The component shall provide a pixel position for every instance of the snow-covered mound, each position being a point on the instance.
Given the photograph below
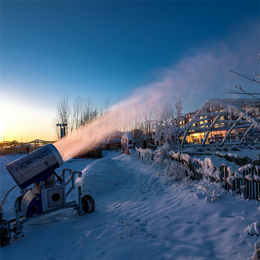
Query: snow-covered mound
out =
(137, 216)
(100, 177)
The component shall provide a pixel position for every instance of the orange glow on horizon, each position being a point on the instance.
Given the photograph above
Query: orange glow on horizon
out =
(25, 124)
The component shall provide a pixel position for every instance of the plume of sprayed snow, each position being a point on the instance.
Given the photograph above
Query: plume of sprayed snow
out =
(204, 74)
(122, 115)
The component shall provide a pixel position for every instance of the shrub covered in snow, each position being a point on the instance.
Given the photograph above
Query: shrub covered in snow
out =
(174, 171)
(254, 230)
(205, 189)
(161, 153)
(256, 255)
(166, 126)
(206, 166)
(146, 155)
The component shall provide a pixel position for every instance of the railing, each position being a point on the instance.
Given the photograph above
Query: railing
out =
(245, 181)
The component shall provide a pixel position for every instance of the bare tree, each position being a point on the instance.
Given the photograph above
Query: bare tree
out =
(178, 107)
(76, 113)
(63, 114)
(104, 106)
(240, 91)
(83, 111)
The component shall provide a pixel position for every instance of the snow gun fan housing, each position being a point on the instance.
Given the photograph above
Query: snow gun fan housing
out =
(35, 167)
(48, 191)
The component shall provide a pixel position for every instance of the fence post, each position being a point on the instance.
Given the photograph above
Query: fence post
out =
(190, 169)
(257, 184)
(247, 189)
(225, 176)
(233, 185)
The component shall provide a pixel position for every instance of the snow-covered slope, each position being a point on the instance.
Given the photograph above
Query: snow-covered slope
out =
(137, 216)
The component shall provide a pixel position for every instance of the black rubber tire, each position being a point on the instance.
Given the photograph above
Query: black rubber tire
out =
(88, 203)
(5, 232)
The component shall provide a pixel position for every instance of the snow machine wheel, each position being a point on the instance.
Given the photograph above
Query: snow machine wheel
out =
(88, 203)
(5, 232)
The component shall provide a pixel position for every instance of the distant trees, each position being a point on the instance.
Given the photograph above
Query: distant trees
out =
(62, 114)
(163, 126)
(83, 111)
(143, 121)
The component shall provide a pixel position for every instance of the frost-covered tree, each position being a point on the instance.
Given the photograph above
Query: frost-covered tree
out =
(167, 125)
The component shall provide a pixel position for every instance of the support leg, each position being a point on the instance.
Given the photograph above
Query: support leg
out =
(17, 225)
(79, 208)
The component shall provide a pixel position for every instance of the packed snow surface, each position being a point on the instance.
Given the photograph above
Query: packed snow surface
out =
(138, 215)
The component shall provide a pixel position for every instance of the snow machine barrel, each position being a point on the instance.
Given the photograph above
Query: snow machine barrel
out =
(35, 167)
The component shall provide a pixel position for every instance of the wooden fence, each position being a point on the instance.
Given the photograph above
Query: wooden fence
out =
(248, 181)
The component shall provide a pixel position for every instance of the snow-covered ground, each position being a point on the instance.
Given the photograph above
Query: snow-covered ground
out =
(137, 216)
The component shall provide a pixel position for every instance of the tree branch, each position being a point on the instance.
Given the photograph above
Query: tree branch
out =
(245, 77)
(243, 92)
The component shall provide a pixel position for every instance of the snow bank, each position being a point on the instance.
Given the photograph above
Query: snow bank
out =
(256, 255)
(100, 177)
(204, 189)
(174, 171)
(253, 229)
(137, 211)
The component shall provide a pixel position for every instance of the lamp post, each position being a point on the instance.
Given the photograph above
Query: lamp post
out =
(62, 129)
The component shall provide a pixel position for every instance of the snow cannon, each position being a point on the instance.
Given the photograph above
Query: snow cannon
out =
(35, 167)
(43, 190)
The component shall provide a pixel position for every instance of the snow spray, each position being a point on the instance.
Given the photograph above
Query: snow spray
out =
(123, 114)
(194, 76)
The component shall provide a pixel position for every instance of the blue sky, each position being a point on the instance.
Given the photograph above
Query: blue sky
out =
(105, 49)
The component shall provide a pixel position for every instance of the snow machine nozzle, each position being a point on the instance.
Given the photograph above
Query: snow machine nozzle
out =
(35, 167)
(43, 190)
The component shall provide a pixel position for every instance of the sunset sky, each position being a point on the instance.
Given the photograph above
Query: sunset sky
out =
(106, 49)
